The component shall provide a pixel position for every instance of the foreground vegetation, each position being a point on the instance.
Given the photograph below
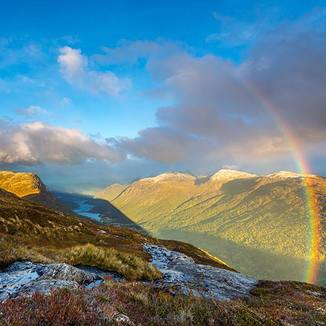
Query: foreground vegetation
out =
(283, 303)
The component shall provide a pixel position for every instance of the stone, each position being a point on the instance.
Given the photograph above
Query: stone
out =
(188, 277)
(26, 278)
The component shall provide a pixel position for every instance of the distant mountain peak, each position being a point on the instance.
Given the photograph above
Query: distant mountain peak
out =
(229, 174)
(169, 176)
(288, 174)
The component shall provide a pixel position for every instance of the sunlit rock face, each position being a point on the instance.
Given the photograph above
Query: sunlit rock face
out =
(20, 183)
(29, 186)
(184, 274)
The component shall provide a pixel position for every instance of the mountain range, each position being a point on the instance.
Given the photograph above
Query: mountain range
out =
(257, 223)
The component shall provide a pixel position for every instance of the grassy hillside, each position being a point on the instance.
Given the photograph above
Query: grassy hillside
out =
(34, 232)
(111, 192)
(242, 211)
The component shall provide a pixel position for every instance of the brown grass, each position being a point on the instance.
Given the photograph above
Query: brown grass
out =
(130, 266)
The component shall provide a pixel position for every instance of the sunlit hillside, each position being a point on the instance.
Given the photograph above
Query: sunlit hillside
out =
(21, 184)
(29, 186)
(255, 223)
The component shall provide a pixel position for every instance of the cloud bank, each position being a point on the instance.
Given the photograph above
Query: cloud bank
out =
(38, 143)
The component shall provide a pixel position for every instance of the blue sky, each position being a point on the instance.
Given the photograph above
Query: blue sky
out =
(125, 89)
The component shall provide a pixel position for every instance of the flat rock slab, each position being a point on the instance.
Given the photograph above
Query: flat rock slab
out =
(26, 278)
(183, 273)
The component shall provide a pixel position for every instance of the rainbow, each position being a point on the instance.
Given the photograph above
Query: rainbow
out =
(312, 207)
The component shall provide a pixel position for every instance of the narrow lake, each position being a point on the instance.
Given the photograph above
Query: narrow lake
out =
(85, 208)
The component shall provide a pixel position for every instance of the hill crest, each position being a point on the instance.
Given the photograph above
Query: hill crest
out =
(229, 174)
(21, 184)
(169, 176)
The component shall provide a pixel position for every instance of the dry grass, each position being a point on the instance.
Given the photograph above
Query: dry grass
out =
(130, 266)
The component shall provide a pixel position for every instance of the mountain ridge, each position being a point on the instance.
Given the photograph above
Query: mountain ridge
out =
(230, 174)
(220, 175)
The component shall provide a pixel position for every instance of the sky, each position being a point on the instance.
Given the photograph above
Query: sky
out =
(100, 92)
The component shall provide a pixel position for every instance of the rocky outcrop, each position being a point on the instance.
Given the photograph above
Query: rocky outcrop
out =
(26, 278)
(186, 276)
(180, 272)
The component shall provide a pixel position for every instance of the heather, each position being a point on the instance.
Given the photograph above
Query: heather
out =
(271, 303)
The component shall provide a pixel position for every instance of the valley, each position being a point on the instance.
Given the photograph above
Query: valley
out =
(96, 209)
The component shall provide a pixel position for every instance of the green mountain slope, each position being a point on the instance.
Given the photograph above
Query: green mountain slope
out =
(258, 224)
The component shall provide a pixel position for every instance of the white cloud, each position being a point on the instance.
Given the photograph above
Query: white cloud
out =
(130, 52)
(35, 143)
(76, 70)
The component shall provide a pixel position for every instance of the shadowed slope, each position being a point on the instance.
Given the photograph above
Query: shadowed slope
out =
(97, 209)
